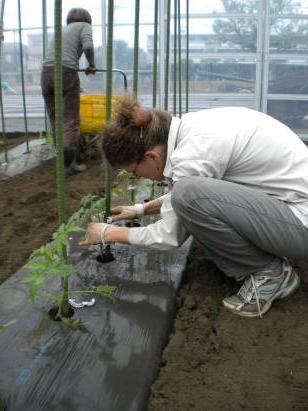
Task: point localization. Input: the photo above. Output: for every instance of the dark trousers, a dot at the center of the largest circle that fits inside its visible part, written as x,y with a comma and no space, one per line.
71,103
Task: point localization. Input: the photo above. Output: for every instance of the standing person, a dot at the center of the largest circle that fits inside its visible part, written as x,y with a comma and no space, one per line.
76,39
240,188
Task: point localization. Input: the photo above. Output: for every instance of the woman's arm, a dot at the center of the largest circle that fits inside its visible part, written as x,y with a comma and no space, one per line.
138,210
164,234
98,233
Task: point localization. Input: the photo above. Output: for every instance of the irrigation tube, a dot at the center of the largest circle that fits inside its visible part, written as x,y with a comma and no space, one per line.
22,76
1,99
174,55
154,92
167,56
108,173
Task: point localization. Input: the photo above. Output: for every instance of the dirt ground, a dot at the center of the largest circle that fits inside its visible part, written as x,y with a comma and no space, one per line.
28,208
214,360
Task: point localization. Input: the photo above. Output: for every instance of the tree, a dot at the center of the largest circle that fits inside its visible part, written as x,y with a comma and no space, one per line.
241,33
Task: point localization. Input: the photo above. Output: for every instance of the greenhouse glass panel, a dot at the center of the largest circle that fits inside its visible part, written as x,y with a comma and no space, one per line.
223,76
292,113
289,7
223,35
218,6
94,8
10,16
289,36
288,76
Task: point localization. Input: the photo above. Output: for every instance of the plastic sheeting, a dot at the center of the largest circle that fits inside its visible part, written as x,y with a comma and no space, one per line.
20,161
109,364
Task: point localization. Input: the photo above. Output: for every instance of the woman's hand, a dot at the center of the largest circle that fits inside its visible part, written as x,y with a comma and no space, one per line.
124,213
95,234
101,233
90,70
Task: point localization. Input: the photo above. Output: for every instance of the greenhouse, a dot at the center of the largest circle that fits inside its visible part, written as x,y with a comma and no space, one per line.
153,205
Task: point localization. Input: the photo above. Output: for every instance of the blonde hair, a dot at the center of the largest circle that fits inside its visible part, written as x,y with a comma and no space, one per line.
133,130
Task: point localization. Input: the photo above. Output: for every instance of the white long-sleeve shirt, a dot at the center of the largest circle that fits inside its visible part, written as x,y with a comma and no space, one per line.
239,145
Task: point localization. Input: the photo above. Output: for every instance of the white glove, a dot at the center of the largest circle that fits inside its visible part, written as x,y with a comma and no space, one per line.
127,212
95,234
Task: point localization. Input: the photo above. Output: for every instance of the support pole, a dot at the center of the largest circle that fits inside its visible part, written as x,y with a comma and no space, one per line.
22,76
108,173
167,55
59,111
174,56
1,97
64,304
155,39
136,48
180,58
45,40
187,54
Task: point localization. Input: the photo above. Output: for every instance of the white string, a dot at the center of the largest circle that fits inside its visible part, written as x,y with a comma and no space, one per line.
104,228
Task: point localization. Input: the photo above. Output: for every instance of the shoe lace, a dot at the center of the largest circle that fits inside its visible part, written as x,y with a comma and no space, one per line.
250,290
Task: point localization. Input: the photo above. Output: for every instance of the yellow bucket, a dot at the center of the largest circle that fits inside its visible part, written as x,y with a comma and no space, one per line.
92,113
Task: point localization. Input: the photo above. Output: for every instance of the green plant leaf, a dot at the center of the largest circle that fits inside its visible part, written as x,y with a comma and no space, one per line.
105,290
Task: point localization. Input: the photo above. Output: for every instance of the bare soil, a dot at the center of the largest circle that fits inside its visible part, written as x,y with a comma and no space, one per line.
28,208
214,360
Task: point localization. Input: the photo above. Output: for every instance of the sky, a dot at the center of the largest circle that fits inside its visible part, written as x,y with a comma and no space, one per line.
123,14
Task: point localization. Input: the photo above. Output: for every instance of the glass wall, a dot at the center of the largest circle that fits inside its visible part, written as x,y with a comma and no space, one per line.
241,52
286,91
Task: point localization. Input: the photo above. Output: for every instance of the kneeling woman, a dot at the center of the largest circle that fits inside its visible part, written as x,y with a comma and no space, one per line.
239,185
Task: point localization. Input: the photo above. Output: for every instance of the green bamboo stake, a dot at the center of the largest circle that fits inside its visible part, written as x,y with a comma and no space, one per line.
106,253
135,82
108,173
136,48
1,98
167,56
3,123
174,55
154,92
187,53
64,304
44,28
180,57
22,76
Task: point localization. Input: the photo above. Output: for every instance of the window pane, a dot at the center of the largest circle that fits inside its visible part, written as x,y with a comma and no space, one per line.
288,77
289,36
292,113
289,7
222,76
218,6
222,35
